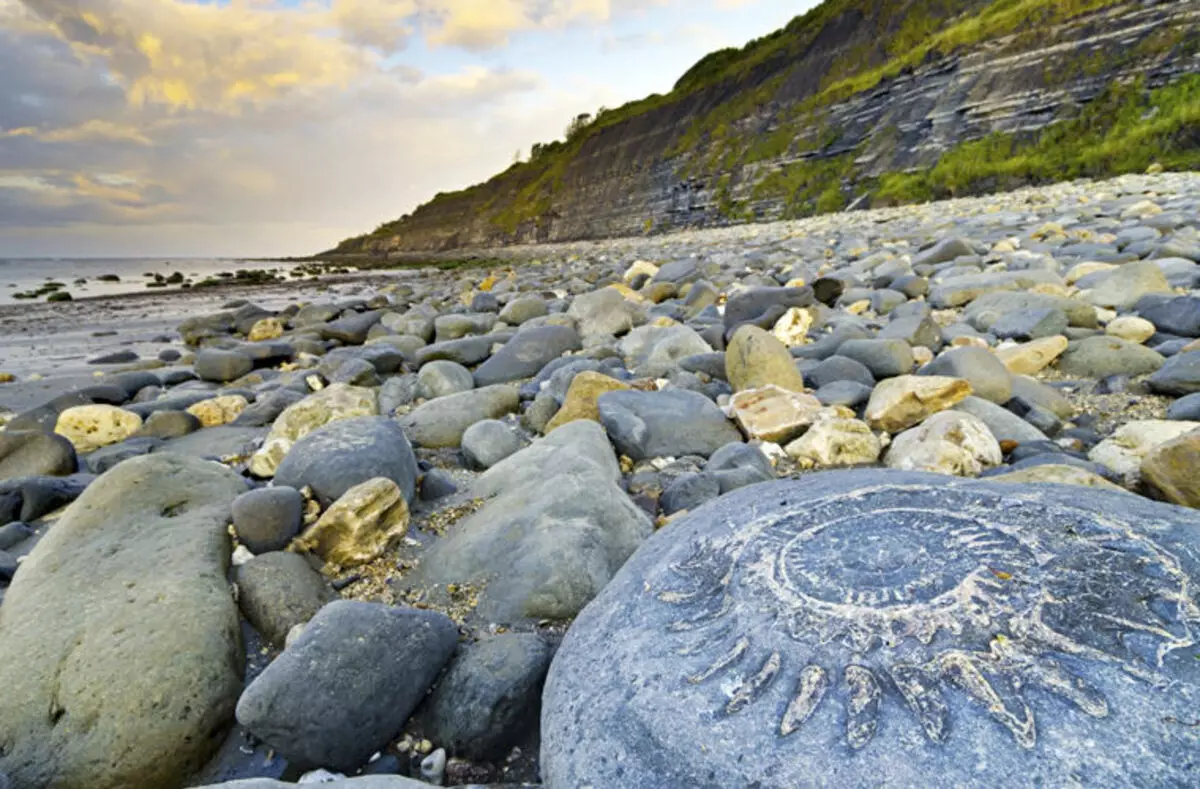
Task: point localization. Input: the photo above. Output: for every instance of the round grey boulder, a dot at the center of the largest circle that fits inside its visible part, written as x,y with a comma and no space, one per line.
268,518
345,688
168,424
486,443
348,452
988,376
443,377
213,364
891,629
33,453
1100,357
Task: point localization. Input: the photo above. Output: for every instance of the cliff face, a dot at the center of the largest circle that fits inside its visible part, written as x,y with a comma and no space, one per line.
855,103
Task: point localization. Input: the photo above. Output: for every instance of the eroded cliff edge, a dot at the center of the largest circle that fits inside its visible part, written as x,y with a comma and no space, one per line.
854,103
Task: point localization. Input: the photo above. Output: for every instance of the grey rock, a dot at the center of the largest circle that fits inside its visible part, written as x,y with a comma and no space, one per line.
490,696
944,251
168,424
989,308
605,312
524,308
213,364
555,530
351,328
838,368
689,491
762,307
677,271
175,401
456,326
442,378
277,591
738,465
13,534
356,372
399,391
216,443
668,423
363,782
267,408
486,443
348,452
1003,424
1124,285
988,376
442,422
1100,357
914,330
655,351
1180,375
526,353
31,453
267,519
1037,393
1030,324
731,634
884,358
468,350
345,688
1185,409
960,290
115,357
142,552
101,460
436,484
40,496
1179,316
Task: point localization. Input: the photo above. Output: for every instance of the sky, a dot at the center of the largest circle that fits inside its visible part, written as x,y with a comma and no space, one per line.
279,127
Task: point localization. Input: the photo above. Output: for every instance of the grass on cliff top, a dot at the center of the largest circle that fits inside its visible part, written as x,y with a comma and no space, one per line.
1125,130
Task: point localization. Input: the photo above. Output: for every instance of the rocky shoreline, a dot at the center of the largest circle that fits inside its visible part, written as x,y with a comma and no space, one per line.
731,491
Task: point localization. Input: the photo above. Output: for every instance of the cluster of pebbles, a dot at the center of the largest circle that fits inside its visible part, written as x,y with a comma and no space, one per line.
416,490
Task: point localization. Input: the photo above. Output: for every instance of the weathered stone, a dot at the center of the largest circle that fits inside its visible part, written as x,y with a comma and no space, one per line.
988,376
277,591
168,424
755,358
219,410
103,687
221,366
347,685
835,439
359,526
1030,358
668,423
953,443
348,452
859,624
337,401
442,422
605,312
1170,470
1123,286
33,453
443,377
901,402
771,413
582,397
90,427
1100,357
793,327
1122,453
265,329
653,351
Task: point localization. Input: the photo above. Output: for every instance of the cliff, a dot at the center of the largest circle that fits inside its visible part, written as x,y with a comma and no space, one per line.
855,103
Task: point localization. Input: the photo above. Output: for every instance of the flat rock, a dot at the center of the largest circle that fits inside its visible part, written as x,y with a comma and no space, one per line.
668,423
865,625
103,687
347,685
771,413
442,422
1123,286
526,353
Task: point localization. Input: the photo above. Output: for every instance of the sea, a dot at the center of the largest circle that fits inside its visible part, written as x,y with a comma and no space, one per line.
79,276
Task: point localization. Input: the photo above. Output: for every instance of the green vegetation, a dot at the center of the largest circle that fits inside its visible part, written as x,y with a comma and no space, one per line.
1124,130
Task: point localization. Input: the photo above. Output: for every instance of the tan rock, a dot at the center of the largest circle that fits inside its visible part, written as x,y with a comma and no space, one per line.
1057,474
265,329
638,268
906,400
835,439
7,378
582,395
1081,270
969,341
921,355
1124,451
756,358
358,527
1141,210
1131,328
858,307
951,442
1034,356
89,427
336,401
772,413
219,410
792,329
1171,469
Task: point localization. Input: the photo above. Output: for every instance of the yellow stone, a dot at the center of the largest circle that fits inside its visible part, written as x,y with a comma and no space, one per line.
859,307
89,427
836,439
627,292
265,329
1131,328
1034,356
774,414
906,400
219,410
580,402
793,327
1081,270
1056,474
7,378
638,268
358,527
336,401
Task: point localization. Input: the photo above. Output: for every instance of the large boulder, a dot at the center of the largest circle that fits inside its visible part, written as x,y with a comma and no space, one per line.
890,629
347,685
348,452
555,530
442,422
120,653
672,422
